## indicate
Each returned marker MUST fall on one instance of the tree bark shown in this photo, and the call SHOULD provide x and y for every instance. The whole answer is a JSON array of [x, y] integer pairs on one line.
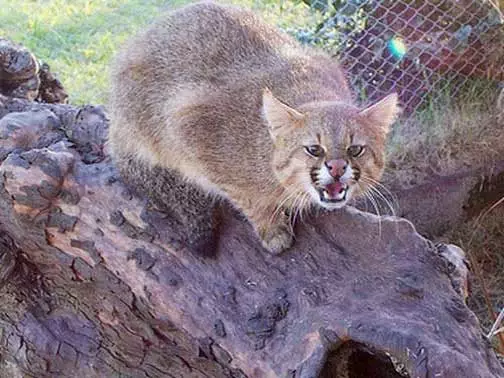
[[23, 76], [97, 282]]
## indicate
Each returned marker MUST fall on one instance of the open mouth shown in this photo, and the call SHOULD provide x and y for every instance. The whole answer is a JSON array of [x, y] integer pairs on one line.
[[334, 192]]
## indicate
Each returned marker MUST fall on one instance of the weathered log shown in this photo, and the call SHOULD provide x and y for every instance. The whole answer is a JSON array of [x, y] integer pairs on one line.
[[23, 76], [98, 283], [444, 202]]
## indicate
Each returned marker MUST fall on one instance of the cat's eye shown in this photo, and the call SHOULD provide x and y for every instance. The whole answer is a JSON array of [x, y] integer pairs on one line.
[[356, 151], [314, 150]]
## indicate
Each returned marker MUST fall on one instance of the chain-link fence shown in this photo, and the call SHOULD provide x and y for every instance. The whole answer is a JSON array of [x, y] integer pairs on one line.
[[418, 48]]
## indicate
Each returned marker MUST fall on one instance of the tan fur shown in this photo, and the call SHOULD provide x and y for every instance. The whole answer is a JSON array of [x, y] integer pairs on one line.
[[230, 103]]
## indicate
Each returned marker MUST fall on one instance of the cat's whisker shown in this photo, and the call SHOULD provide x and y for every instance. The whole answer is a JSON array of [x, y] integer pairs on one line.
[[369, 196], [296, 207], [377, 183], [279, 207], [291, 206], [372, 186], [373, 189], [295, 210], [383, 198], [304, 204], [393, 203], [387, 191], [390, 207]]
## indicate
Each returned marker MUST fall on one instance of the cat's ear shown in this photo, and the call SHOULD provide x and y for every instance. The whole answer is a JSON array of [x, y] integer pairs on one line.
[[280, 118], [384, 112]]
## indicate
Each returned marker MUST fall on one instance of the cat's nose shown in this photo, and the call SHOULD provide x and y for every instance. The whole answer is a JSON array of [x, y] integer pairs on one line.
[[336, 167]]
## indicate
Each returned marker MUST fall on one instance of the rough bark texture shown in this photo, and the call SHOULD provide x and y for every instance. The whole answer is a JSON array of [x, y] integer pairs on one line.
[[443, 203], [23, 76], [97, 282]]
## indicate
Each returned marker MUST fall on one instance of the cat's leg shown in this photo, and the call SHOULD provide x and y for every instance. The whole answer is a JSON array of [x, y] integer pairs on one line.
[[276, 237], [272, 226]]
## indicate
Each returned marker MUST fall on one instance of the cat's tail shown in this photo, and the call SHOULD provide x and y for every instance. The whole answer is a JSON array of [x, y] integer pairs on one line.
[[188, 211]]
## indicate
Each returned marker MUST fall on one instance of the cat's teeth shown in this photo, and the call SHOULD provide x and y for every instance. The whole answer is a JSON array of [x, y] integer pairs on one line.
[[326, 195], [337, 197], [341, 195]]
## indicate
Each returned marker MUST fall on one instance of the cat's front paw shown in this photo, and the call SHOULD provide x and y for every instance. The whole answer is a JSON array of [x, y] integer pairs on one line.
[[277, 240]]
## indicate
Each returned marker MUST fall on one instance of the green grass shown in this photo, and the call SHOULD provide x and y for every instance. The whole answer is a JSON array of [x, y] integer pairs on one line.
[[77, 38]]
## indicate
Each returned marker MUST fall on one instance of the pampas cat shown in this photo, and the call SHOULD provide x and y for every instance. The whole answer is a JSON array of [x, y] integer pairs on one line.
[[241, 111]]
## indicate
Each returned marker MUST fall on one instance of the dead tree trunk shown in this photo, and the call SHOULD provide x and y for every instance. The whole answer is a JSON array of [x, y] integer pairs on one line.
[[96, 282]]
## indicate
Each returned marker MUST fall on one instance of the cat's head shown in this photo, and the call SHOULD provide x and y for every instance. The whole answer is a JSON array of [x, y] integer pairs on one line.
[[331, 151]]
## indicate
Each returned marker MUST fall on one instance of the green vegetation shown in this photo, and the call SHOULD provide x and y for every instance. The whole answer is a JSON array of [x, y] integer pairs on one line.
[[77, 38]]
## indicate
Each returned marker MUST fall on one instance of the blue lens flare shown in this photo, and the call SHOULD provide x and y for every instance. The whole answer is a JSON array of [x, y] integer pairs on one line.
[[397, 47]]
